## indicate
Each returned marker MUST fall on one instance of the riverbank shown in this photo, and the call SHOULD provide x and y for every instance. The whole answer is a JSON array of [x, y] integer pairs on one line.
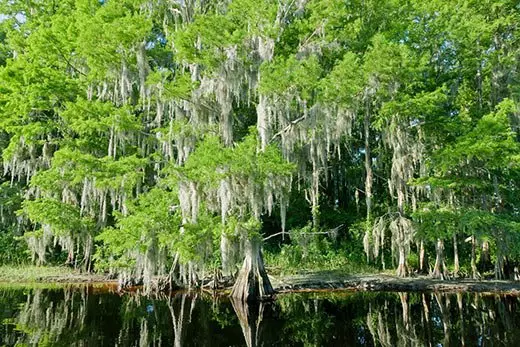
[[311, 281], [48, 274]]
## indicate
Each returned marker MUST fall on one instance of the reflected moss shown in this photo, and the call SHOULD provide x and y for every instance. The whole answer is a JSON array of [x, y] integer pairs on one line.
[[86, 316]]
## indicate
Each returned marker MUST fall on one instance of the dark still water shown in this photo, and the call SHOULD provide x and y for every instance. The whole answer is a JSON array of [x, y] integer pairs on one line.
[[86, 316]]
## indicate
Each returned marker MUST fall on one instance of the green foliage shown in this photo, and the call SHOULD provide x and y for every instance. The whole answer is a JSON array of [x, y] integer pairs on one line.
[[14, 248], [154, 127], [344, 83], [149, 223], [291, 77], [309, 251], [62, 217]]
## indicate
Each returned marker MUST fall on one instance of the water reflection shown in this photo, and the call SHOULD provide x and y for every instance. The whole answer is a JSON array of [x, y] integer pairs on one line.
[[250, 316], [81, 316]]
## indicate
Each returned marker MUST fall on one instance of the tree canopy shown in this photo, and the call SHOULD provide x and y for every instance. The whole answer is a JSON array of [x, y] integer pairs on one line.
[[153, 138]]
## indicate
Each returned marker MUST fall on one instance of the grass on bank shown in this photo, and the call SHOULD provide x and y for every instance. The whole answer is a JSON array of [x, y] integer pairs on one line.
[[34, 274]]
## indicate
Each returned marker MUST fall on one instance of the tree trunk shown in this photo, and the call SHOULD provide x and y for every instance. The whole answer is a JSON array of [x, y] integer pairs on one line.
[[439, 270], [369, 175], [474, 272], [252, 283], [499, 265], [485, 258], [172, 281], [456, 267], [383, 263], [315, 196], [423, 260], [402, 269]]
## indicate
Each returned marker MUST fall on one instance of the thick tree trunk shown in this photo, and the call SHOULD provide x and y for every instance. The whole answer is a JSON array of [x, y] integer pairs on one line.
[[402, 268], [252, 283], [439, 270]]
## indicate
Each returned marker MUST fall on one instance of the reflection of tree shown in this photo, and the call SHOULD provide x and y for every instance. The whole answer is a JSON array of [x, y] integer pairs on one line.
[[444, 306], [178, 318], [378, 326], [154, 320], [49, 316], [425, 319], [250, 317], [305, 320], [78, 316], [460, 321], [431, 319], [406, 332]]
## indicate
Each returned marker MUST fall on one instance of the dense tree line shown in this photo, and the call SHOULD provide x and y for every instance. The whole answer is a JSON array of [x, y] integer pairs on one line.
[[165, 138]]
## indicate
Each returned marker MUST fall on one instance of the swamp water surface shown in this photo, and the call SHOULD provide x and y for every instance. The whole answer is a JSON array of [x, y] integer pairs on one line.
[[88, 316]]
